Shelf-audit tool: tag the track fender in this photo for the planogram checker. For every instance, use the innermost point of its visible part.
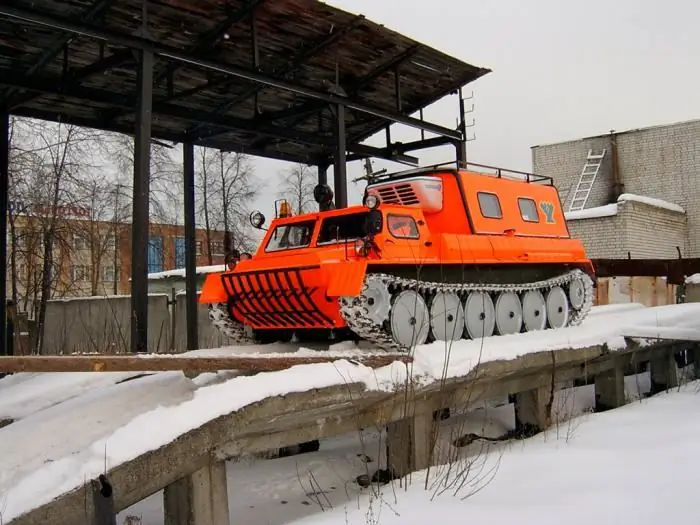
(213, 290)
(344, 278)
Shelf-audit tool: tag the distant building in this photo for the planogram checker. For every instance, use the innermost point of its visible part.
(94, 257)
(640, 199)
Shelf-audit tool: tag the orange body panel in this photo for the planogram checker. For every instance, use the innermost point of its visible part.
(298, 287)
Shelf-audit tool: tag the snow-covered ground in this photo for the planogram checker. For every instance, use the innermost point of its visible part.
(321, 486)
(637, 464)
(72, 426)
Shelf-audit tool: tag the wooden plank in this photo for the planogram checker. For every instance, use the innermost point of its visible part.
(154, 363)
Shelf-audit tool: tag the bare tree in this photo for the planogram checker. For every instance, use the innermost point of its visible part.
(165, 204)
(48, 163)
(297, 185)
(226, 185)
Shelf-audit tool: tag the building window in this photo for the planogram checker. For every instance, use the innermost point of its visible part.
(198, 247)
(155, 254)
(80, 273)
(489, 205)
(109, 242)
(217, 248)
(528, 210)
(79, 242)
(108, 274)
(402, 226)
(179, 252)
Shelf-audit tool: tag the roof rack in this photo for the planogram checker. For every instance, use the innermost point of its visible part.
(497, 172)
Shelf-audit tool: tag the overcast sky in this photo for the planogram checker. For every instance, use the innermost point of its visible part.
(560, 70)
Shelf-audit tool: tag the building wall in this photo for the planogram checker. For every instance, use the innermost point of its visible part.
(638, 230)
(660, 161)
(84, 256)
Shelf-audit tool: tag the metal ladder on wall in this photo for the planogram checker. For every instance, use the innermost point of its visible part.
(585, 182)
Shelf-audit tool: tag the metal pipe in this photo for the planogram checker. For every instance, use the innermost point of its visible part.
(190, 253)
(4, 188)
(143, 44)
(140, 223)
(340, 178)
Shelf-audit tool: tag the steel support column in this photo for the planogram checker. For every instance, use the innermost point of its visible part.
(190, 259)
(4, 187)
(340, 179)
(322, 174)
(140, 223)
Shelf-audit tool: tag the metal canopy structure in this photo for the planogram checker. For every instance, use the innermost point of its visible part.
(294, 80)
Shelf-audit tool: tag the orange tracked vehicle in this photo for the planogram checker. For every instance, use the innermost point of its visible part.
(432, 254)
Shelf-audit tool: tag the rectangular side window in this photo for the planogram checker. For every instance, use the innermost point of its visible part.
(489, 205)
(402, 226)
(528, 210)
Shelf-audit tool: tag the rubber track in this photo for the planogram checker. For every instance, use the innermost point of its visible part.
(354, 309)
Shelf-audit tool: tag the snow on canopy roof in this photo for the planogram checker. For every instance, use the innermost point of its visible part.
(611, 209)
(180, 272)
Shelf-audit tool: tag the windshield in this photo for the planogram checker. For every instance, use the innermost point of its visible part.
(290, 236)
(342, 228)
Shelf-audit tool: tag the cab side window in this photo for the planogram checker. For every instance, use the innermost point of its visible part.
(528, 210)
(489, 205)
(402, 226)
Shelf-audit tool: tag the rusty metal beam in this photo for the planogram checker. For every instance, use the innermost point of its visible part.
(158, 363)
(674, 270)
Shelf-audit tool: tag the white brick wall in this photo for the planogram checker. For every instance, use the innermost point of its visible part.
(661, 162)
(646, 232)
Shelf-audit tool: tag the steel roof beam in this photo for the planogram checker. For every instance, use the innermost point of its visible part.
(97, 9)
(294, 64)
(135, 42)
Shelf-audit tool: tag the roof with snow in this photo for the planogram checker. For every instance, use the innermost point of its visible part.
(179, 273)
(610, 210)
(617, 133)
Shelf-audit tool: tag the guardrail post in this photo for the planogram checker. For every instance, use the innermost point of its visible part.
(103, 500)
(663, 372)
(198, 499)
(610, 387)
(410, 444)
(531, 409)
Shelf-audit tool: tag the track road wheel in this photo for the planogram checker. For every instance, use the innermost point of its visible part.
(447, 316)
(557, 308)
(377, 302)
(479, 315)
(534, 311)
(577, 293)
(509, 313)
(409, 319)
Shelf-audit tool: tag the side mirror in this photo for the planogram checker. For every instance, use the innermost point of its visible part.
(257, 220)
(374, 223)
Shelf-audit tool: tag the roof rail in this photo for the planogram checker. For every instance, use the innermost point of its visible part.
(497, 172)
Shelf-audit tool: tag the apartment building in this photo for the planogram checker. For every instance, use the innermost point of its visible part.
(93, 257)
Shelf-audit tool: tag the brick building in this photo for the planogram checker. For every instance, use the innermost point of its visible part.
(643, 198)
(94, 257)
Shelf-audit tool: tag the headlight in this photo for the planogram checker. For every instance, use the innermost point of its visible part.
(372, 202)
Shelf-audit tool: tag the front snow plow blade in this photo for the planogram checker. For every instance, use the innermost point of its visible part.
(287, 298)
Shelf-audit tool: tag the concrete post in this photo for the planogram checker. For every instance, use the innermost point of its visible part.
(531, 409)
(198, 499)
(664, 373)
(610, 388)
(410, 444)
